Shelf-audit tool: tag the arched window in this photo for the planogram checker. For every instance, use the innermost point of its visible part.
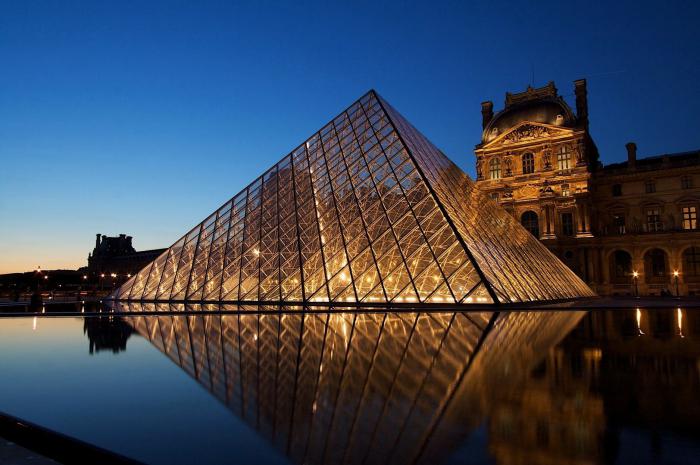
(530, 222)
(655, 265)
(621, 264)
(564, 158)
(495, 168)
(691, 262)
(528, 163)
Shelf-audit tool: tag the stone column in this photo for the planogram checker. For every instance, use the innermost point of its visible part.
(579, 220)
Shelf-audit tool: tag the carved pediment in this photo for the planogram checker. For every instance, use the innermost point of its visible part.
(526, 132)
(527, 192)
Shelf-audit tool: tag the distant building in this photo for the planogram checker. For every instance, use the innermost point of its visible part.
(117, 255)
(613, 225)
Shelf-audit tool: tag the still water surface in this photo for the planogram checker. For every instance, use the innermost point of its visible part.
(481, 387)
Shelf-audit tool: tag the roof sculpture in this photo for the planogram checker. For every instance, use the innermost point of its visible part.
(368, 211)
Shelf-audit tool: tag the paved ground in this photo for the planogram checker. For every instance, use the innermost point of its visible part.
(12, 454)
(612, 303)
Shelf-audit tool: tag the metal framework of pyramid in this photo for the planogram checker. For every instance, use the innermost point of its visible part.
(366, 211)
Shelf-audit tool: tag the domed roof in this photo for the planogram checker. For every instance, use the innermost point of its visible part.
(534, 105)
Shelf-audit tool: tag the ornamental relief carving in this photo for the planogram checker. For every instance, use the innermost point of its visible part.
(525, 133)
(508, 165)
(527, 192)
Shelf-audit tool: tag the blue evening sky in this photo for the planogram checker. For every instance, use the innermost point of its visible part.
(143, 117)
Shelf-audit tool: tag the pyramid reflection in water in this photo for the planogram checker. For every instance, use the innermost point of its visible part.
(366, 210)
(357, 387)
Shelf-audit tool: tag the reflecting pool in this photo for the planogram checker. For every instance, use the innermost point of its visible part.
(170, 387)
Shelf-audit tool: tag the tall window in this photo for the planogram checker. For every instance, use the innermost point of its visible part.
(655, 263)
(619, 223)
(495, 168)
(690, 217)
(530, 221)
(654, 223)
(686, 182)
(622, 266)
(649, 186)
(567, 224)
(565, 190)
(691, 261)
(528, 163)
(564, 158)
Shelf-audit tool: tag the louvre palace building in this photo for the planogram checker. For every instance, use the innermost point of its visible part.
(625, 228)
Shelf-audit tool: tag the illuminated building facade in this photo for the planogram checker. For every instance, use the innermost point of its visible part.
(624, 228)
(366, 211)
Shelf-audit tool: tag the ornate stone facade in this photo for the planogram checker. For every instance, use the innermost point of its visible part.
(625, 228)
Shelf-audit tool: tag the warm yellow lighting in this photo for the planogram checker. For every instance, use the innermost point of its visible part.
(113, 275)
(679, 315)
(128, 275)
(38, 269)
(635, 274)
(675, 273)
(46, 277)
(256, 252)
(639, 321)
(84, 276)
(102, 275)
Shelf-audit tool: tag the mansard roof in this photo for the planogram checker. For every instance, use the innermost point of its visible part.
(653, 163)
(538, 105)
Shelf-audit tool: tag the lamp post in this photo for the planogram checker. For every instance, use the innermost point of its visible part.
(675, 277)
(635, 276)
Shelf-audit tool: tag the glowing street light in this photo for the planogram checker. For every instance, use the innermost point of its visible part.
(635, 276)
(114, 275)
(675, 276)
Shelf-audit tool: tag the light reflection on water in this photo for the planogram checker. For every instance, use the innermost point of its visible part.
(439, 387)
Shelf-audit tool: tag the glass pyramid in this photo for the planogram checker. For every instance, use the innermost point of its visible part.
(367, 210)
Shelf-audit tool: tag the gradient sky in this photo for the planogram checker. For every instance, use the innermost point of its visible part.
(143, 117)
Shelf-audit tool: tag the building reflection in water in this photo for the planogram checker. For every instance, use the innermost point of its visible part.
(358, 387)
(549, 387)
(619, 373)
(107, 333)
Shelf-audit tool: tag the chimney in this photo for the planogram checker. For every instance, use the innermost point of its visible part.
(486, 113)
(631, 154)
(97, 240)
(581, 101)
